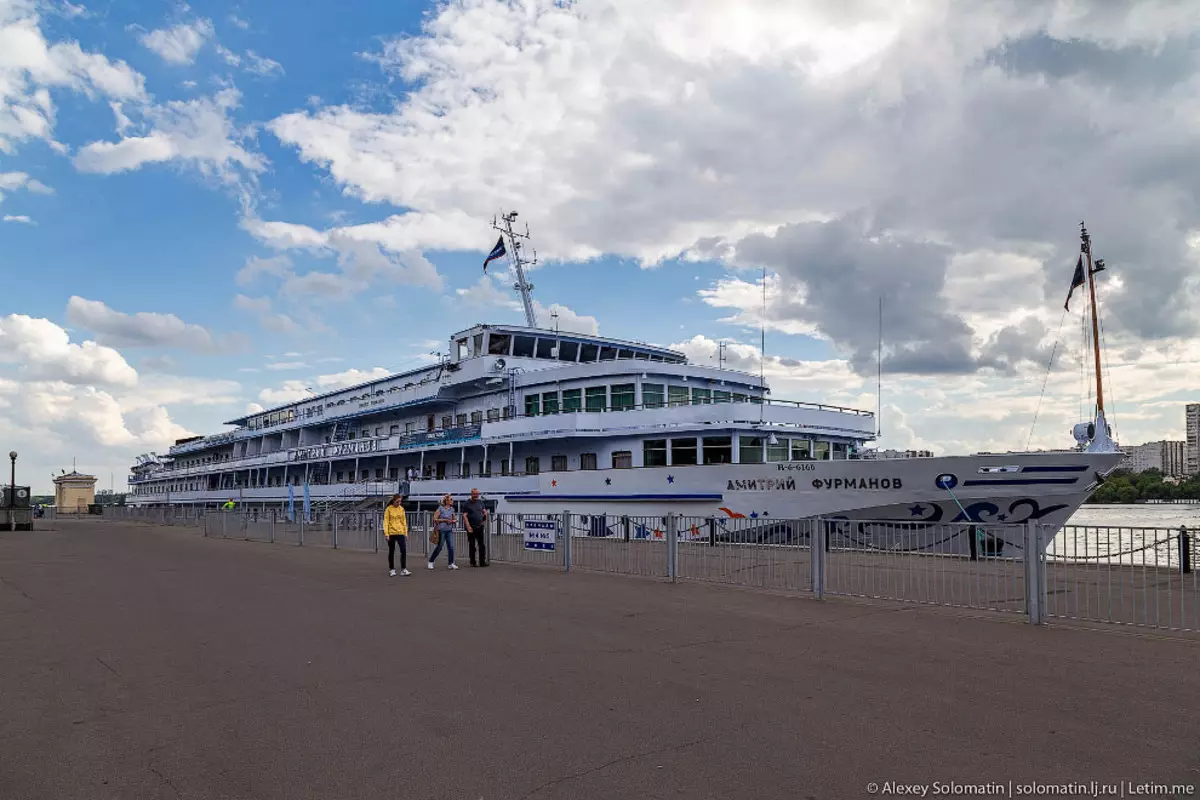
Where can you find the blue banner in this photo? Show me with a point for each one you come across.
(307, 504)
(291, 503)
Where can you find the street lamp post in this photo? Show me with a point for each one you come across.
(12, 491)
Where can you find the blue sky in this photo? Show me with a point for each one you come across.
(663, 154)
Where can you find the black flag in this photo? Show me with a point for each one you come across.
(1076, 280)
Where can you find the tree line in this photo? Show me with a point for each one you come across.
(1128, 487)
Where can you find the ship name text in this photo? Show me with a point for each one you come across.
(761, 485)
(857, 483)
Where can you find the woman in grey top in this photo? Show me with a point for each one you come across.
(443, 522)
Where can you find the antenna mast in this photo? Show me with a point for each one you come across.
(1085, 244)
(879, 376)
(522, 286)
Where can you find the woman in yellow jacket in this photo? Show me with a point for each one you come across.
(395, 528)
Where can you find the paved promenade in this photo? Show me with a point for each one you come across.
(140, 662)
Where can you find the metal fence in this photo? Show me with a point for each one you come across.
(1129, 576)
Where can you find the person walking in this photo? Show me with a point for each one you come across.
(475, 517)
(443, 522)
(395, 528)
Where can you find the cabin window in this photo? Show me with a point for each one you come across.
(750, 450)
(339, 477)
(447, 421)
(654, 453)
(622, 459)
(597, 398)
(701, 396)
(568, 351)
(440, 472)
(624, 354)
(466, 469)
(738, 397)
(640, 356)
(779, 451)
(550, 403)
(533, 465)
(683, 452)
(393, 430)
(476, 417)
(506, 412)
(504, 466)
(801, 450)
(460, 349)
(460, 420)
(677, 396)
(652, 395)
(587, 460)
(558, 463)
(720, 397)
(477, 344)
(588, 352)
(379, 473)
(841, 451)
(393, 473)
(522, 347)
(545, 348)
(608, 353)
(623, 397)
(498, 344)
(718, 450)
(431, 422)
(531, 405)
(493, 415)
(366, 473)
(410, 427)
(572, 400)
(821, 451)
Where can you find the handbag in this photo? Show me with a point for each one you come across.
(433, 537)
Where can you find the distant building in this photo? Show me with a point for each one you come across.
(882, 454)
(1166, 456)
(1192, 454)
(74, 492)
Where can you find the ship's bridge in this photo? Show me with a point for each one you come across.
(552, 347)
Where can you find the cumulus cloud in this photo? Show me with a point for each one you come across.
(21, 218)
(143, 329)
(44, 351)
(178, 44)
(11, 181)
(261, 65)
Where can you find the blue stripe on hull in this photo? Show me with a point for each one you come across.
(616, 498)
(1025, 482)
(1073, 468)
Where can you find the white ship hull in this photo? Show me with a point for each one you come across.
(918, 504)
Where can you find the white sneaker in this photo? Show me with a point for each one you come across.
(393, 573)
(452, 566)
(430, 565)
(405, 572)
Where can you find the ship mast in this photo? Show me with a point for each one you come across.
(1085, 244)
(522, 286)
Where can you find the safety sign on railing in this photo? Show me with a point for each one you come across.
(540, 534)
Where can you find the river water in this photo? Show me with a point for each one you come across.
(1127, 534)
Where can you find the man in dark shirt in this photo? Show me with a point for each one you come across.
(475, 518)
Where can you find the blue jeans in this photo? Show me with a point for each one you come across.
(444, 538)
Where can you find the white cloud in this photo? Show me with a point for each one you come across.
(44, 351)
(277, 323)
(11, 181)
(21, 218)
(278, 266)
(30, 67)
(180, 43)
(143, 329)
(254, 408)
(260, 65)
(259, 305)
(239, 22)
(565, 319)
(199, 133)
(231, 58)
(279, 366)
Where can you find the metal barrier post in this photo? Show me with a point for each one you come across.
(712, 532)
(672, 547)
(272, 528)
(379, 532)
(223, 523)
(566, 534)
(302, 523)
(1185, 550)
(335, 519)
(817, 547)
(1033, 575)
(425, 526)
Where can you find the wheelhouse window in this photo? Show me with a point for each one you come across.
(738, 397)
(608, 353)
(622, 459)
(623, 396)
(652, 395)
(778, 451)
(720, 397)
(587, 460)
(588, 352)
(683, 452)
(718, 449)
(821, 451)
(597, 398)
(533, 465)
(568, 351)
(677, 396)
(499, 344)
(550, 403)
(545, 348)
(624, 354)
(641, 355)
(572, 400)
(523, 347)
(531, 405)
(477, 345)
(701, 396)
(750, 450)
(841, 451)
(558, 463)
(654, 453)
(801, 450)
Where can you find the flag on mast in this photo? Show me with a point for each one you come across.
(1076, 281)
(497, 252)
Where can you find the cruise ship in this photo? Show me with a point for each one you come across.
(541, 420)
